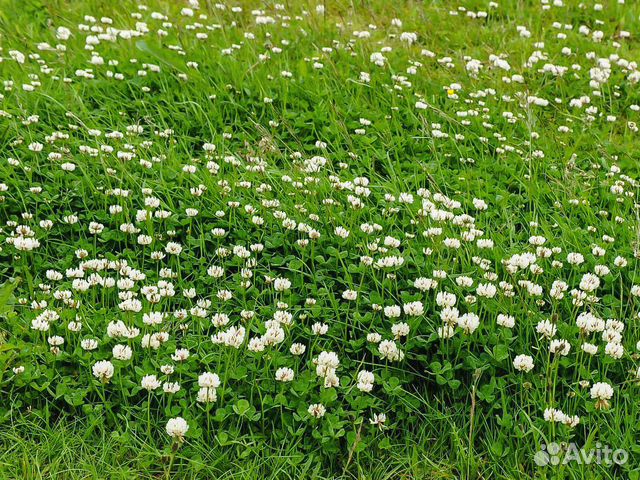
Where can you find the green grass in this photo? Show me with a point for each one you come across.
(319, 150)
(67, 450)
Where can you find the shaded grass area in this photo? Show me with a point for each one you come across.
(72, 449)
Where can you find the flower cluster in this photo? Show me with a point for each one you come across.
(338, 221)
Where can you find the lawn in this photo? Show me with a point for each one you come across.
(341, 240)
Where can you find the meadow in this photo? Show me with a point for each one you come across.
(342, 240)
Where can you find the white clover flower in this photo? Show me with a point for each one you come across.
(173, 248)
(446, 331)
(25, 244)
(392, 311)
(620, 262)
(319, 328)
(469, 322)
(589, 348)
(408, 37)
(209, 380)
(506, 320)
(297, 349)
(546, 328)
(400, 330)
(378, 59)
(378, 420)
(150, 382)
(487, 290)
(445, 299)
(89, 344)
(122, 352)
(365, 381)
(350, 295)
(317, 410)
(424, 284)
(281, 284)
(63, 33)
(180, 355)
(103, 370)
(614, 350)
(207, 395)
(524, 363)
(170, 387)
(589, 282)
(559, 347)
(413, 309)
(284, 374)
(256, 345)
(177, 428)
(575, 258)
(553, 415)
(389, 350)
(602, 392)
(376, 338)
(341, 232)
